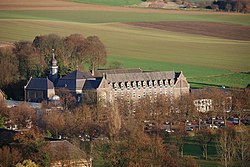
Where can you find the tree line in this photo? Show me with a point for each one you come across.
(217, 5)
(232, 5)
(24, 59)
(119, 135)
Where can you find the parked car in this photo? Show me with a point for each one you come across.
(231, 124)
(213, 126)
(189, 129)
(245, 122)
(236, 121)
(169, 131)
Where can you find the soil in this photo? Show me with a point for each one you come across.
(220, 30)
(65, 5)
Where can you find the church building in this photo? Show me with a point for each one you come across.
(109, 85)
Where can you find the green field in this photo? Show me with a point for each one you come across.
(240, 80)
(208, 163)
(79, 16)
(109, 2)
(206, 61)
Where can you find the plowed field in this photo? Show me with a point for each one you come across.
(220, 30)
(65, 5)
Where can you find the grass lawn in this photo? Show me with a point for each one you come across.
(208, 163)
(190, 71)
(229, 80)
(195, 150)
(109, 2)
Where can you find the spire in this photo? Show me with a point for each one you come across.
(53, 68)
(53, 60)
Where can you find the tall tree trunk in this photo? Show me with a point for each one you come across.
(182, 150)
(225, 119)
(199, 123)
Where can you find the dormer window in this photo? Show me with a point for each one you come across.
(128, 85)
(122, 85)
(160, 83)
(144, 84)
(116, 86)
(155, 83)
(150, 84)
(139, 84)
(134, 84)
(171, 82)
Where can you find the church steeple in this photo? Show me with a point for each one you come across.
(53, 76)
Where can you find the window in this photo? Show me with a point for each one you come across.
(155, 83)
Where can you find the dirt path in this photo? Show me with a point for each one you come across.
(64, 5)
(221, 30)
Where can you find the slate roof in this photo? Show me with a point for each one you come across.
(99, 73)
(71, 84)
(76, 81)
(142, 76)
(92, 84)
(39, 84)
(77, 75)
(7, 136)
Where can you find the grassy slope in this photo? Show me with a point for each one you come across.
(144, 44)
(107, 17)
(109, 2)
(153, 49)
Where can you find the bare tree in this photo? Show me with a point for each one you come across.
(205, 137)
(30, 61)
(9, 66)
(226, 147)
(185, 109)
(9, 157)
(45, 44)
(242, 145)
(68, 101)
(54, 122)
(23, 116)
(95, 52)
(240, 104)
(33, 147)
(74, 45)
